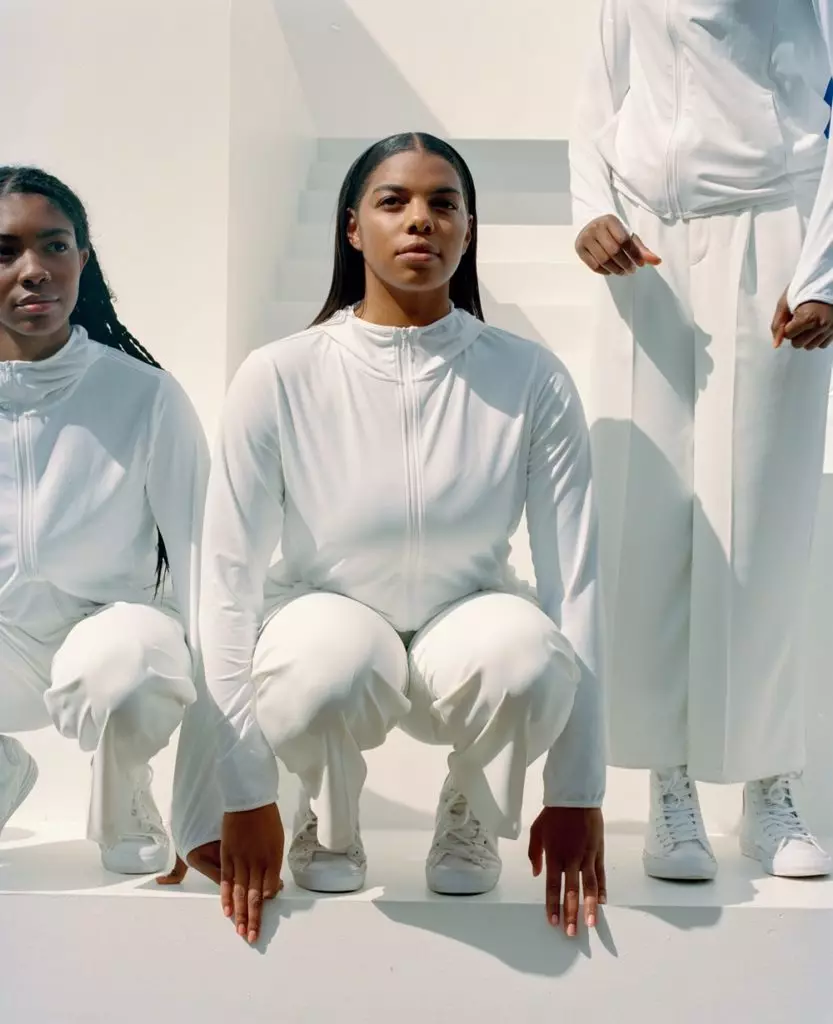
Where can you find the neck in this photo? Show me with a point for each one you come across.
(387, 308)
(25, 349)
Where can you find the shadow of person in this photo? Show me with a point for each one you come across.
(14, 835)
(68, 866)
(516, 934)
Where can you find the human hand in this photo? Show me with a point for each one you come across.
(251, 855)
(809, 327)
(570, 841)
(607, 247)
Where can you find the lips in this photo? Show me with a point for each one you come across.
(418, 249)
(37, 302)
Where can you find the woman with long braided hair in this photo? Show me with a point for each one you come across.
(102, 463)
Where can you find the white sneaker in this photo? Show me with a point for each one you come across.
(463, 859)
(18, 774)
(320, 870)
(676, 845)
(774, 834)
(143, 847)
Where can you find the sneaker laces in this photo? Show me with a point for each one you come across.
(680, 813)
(145, 819)
(780, 819)
(460, 834)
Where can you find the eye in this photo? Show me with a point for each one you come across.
(58, 247)
(6, 253)
(445, 204)
(390, 201)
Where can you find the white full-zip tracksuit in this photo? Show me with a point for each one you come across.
(360, 506)
(702, 129)
(97, 452)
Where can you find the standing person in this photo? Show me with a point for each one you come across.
(390, 450)
(102, 469)
(703, 187)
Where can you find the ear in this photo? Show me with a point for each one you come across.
(84, 255)
(353, 234)
(467, 239)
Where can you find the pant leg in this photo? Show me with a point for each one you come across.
(330, 676)
(120, 684)
(494, 677)
(759, 444)
(642, 439)
(24, 678)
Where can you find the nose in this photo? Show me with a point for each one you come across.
(32, 271)
(421, 219)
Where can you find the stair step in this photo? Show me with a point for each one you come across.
(394, 951)
(534, 165)
(494, 207)
(532, 282)
(507, 243)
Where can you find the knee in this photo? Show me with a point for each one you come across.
(529, 664)
(103, 673)
(312, 692)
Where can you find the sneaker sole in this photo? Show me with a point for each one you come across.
(659, 867)
(751, 851)
(29, 780)
(314, 882)
(460, 884)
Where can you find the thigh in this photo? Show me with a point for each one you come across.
(478, 652)
(115, 651)
(24, 678)
(318, 648)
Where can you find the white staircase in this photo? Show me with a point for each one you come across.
(79, 945)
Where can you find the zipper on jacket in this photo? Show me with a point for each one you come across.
(671, 181)
(24, 466)
(410, 425)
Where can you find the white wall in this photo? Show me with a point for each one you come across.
(458, 68)
(129, 104)
(270, 151)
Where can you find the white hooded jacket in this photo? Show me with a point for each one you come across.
(699, 107)
(393, 466)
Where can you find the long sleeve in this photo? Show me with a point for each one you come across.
(563, 541)
(600, 98)
(243, 517)
(176, 483)
(175, 486)
(813, 280)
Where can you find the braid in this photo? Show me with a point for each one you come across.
(94, 309)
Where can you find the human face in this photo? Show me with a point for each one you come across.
(411, 224)
(40, 272)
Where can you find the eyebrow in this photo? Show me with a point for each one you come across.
(50, 233)
(442, 190)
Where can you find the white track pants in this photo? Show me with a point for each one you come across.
(118, 682)
(708, 448)
(492, 676)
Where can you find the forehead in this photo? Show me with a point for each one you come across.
(417, 170)
(23, 215)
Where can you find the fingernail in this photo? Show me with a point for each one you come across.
(241, 930)
(571, 931)
(252, 937)
(591, 921)
(554, 920)
(227, 911)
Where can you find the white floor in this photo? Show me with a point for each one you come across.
(662, 952)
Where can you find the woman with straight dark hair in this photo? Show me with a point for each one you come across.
(391, 450)
(102, 471)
